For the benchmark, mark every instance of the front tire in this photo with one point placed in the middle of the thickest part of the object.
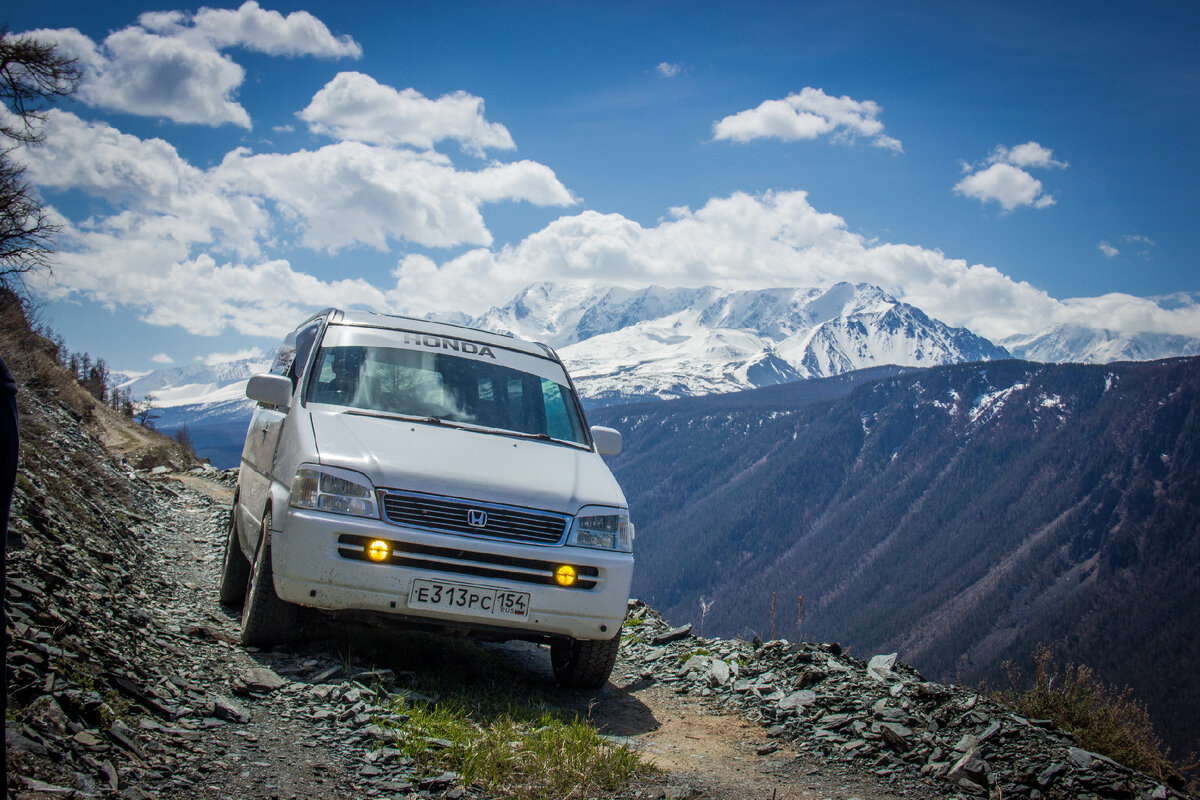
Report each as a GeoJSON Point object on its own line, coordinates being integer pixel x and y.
{"type": "Point", "coordinates": [235, 569]}
{"type": "Point", "coordinates": [266, 620]}
{"type": "Point", "coordinates": [584, 663]}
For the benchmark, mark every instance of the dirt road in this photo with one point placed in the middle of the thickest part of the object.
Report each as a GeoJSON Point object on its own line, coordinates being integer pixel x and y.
{"type": "Point", "coordinates": [297, 722]}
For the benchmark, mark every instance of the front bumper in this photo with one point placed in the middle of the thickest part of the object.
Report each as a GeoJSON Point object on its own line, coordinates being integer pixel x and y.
{"type": "Point", "coordinates": [318, 561]}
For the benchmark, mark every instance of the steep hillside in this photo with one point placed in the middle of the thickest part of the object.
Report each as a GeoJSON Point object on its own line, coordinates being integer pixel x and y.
{"type": "Point", "coordinates": [958, 515]}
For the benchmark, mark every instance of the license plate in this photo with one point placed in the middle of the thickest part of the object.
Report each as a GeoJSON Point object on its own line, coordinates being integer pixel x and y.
{"type": "Point", "coordinates": [465, 598]}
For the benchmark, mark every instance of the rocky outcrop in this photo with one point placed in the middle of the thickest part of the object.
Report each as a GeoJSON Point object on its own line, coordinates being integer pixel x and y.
{"type": "Point", "coordinates": [880, 714]}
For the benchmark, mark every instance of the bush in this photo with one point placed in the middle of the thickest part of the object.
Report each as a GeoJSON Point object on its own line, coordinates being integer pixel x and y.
{"type": "Point", "coordinates": [1102, 719]}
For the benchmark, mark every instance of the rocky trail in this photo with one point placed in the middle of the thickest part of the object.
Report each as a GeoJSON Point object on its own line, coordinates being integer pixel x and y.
{"type": "Point", "coordinates": [126, 678]}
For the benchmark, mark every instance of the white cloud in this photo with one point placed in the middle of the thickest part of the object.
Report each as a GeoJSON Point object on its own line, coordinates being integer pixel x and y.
{"type": "Point", "coordinates": [185, 246]}
{"type": "Point", "coordinates": [245, 354]}
{"type": "Point", "coordinates": [669, 70]}
{"type": "Point", "coordinates": [743, 241]}
{"type": "Point", "coordinates": [1005, 180]}
{"type": "Point", "coordinates": [355, 107]}
{"type": "Point", "coordinates": [1030, 154]}
{"type": "Point", "coordinates": [807, 115]}
{"type": "Point", "coordinates": [171, 65]}
{"type": "Point", "coordinates": [161, 358]}
{"type": "Point", "coordinates": [1108, 250]}
{"type": "Point", "coordinates": [1005, 184]}
{"type": "Point", "coordinates": [252, 27]}
{"type": "Point", "coordinates": [350, 193]}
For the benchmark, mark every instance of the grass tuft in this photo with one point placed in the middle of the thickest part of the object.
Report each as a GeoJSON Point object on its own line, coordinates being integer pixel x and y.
{"type": "Point", "coordinates": [518, 753]}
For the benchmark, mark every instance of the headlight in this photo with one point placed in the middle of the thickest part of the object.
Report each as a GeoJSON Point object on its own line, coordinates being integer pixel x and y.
{"type": "Point", "coordinates": [602, 529]}
{"type": "Point", "coordinates": [338, 491]}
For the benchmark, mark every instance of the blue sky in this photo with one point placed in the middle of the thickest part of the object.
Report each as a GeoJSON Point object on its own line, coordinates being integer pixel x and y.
{"type": "Point", "coordinates": [1003, 166]}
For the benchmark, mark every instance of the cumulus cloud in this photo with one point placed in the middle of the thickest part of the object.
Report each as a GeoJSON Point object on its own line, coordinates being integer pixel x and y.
{"type": "Point", "coordinates": [252, 27]}
{"type": "Point", "coordinates": [745, 242]}
{"type": "Point", "coordinates": [668, 70]}
{"type": "Point", "coordinates": [1108, 250]}
{"type": "Point", "coordinates": [1003, 178]}
{"type": "Point", "coordinates": [355, 107]}
{"type": "Point", "coordinates": [807, 115]}
{"type": "Point", "coordinates": [161, 358]}
{"type": "Point", "coordinates": [186, 246]}
{"type": "Point", "coordinates": [170, 64]}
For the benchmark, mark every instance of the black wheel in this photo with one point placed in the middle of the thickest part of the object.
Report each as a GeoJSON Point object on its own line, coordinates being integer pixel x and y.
{"type": "Point", "coordinates": [266, 620]}
{"type": "Point", "coordinates": [584, 663]}
{"type": "Point", "coordinates": [235, 569]}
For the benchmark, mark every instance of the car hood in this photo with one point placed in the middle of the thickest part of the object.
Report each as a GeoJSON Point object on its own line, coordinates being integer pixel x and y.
{"type": "Point", "coordinates": [457, 462]}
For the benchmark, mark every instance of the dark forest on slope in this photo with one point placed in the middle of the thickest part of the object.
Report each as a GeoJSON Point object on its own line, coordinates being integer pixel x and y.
{"type": "Point", "coordinates": [959, 515]}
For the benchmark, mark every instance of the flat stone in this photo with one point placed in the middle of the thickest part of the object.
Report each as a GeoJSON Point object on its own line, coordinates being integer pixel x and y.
{"type": "Point", "coordinates": [896, 735]}
{"type": "Point", "coordinates": [800, 699]}
{"type": "Point", "coordinates": [262, 679]}
{"type": "Point", "coordinates": [718, 673]}
{"type": "Point", "coordinates": [880, 667]}
{"type": "Point", "coordinates": [1080, 758]}
{"type": "Point", "coordinates": [229, 709]}
{"type": "Point", "coordinates": [673, 635]}
{"type": "Point", "coordinates": [971, 767]}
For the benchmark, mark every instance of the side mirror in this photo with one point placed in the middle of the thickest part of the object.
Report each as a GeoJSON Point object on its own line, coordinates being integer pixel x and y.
{"type": "Point", "coordinates": [608, 441]}
{"type": "Point", "coordinates": [270, 390]}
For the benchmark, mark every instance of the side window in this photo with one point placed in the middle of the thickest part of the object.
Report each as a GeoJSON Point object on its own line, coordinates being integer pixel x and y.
{"type": "Point", "coordinates": [304, 344]}
{"type": "Point", "coordinates": [560, 423]}
{"type": "Point", "coordinates": [285, 356]}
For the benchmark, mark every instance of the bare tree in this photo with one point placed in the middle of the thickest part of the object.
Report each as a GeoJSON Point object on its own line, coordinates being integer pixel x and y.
{"type": "Point", "coordinates": [143, 411]}
{"type": "Point", "coordinates": [33, 75]}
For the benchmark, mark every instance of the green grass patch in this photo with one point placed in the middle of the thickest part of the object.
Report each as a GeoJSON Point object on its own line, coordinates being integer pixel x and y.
{"type": "Point", "coordinates": [494, 721]}
{"type": "Point", "coordinates": [518, 753]}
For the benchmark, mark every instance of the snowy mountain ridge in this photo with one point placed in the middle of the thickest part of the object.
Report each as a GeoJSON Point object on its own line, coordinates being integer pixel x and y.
{"type": "Point", "coordinates": [629, 344]}
{"type": "Point", "coordinates": [623, 344]}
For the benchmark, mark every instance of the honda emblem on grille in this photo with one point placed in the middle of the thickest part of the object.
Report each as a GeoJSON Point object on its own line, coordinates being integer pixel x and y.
{"type": "Point", "coordinates": [477, 518]}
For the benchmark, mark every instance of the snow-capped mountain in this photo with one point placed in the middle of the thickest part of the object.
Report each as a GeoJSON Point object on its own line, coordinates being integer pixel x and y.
{"type": "Point", "coordinates": [622, 344]}
{"type": "Point", "coordinates": [1079, 345]}
{"type": "Point", "coordinates": [194, 384]}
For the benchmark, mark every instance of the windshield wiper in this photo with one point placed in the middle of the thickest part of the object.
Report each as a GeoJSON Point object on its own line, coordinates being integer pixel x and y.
{"type": "Point", "coordinates": [359, 412]}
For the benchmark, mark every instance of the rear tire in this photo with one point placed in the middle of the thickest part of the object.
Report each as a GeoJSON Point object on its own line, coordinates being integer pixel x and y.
{"type": "Point", "coordinates": [584, 663]}
{"type": "Point", "coordinates": [235, 569]}
{"type": "Point", "coordinates": [266, 620]}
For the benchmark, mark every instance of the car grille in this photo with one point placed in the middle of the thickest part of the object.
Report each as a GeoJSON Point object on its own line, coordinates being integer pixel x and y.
{"type": "Point", "coordinates": [466, 562]}
{"type": "Point", "coordinates": [444, 515]}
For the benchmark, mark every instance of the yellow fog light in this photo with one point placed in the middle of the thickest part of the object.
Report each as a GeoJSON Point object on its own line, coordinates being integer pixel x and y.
{"type": "Point", "coordinates": [565, 575]}
{"type": "Point", "coordinates": [378, 550]}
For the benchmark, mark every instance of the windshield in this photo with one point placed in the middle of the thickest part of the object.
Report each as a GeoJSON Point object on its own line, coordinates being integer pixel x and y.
{"type": "Point", "coordinates": [416, 383]}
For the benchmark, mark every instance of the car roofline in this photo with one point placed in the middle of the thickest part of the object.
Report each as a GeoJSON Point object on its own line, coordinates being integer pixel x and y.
{"type": "Point", "coordinates": [397, 322]}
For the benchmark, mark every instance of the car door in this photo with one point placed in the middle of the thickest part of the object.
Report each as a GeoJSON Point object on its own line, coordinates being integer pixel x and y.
{"type": "Point", "coordinates": [262, 437]}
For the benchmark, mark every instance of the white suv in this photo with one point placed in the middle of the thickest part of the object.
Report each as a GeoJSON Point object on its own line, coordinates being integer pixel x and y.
{"type": "Point", "coordinates": [440, 476]}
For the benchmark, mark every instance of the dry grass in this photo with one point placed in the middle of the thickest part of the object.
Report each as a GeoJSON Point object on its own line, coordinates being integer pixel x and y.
{"type": "Point", "coordinates": [1102, 719]}
{"type": "Point", "coordinates": [33, 361]}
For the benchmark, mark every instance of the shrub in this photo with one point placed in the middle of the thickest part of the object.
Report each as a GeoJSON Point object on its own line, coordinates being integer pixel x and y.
{"type": "Point", "coordinates": [1102, 719]}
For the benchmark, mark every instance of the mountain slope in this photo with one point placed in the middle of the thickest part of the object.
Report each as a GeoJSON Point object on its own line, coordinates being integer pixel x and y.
{"type": "Point", "coordinates": [958, 515]}
{"type": "Point", "coordinates": [1076, 344]}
